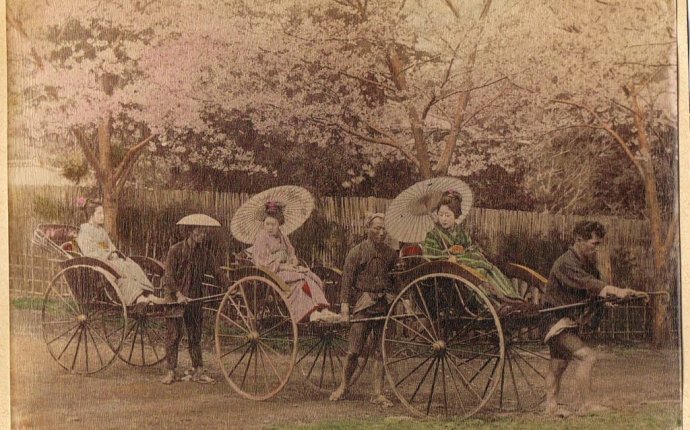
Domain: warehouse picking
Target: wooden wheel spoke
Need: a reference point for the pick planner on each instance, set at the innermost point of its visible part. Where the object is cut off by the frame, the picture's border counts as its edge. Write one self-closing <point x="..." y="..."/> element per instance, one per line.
<point x="512" y="378"/>
<point x="467" y="363"/>
<point x="413" y="370"/>
<point x="68" y="304"/>
<point x="518" y="355"/>
<point x="135" y="327"/>
<point x="76" y="353"/>
<point x="283" y="321"/>
<point x="233" y="350"/>
<point x="75" y="325"/>
<point x="69" y="342"/>
<point x="408" y="342"/>
<point x="421" y="381"/>
<point x="141" y="340"/>
<point x="443" y="381"/>
<point x="228" y="319"/>
<point x="95" y="345"/>
<point x="465" y="382"/>
<point x="323" y="366"/>
<point x="263" y="366"/>
<point x="249" y="362"/>
<point x="86" y="348"/>
<point x="429" y="339"/>
<point x="428" y="314"/>
<point x="270" y="362"/>
<point x="467" y="340"/>
<point x="153" y="344"/>
<point x="250" y="314"/>
<point x="409" y="357"/>
<point x="318" y="353"/>
<point x="531" y="352"/>
<point x="71" y="320"/>
<point x="330" y="357"/>
<point x="433" y="387"/>
<point x="455" y="384"/>
<point x="316" y="344"/>
<point x="244" y="354"/>
<point x="525" y="378"/>
<point x="465" y="351"/>
<point x="239" y="312"/>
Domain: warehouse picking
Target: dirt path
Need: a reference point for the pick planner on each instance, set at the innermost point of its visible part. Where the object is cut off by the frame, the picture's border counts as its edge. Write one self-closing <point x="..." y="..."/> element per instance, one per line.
<point x="44" y="396"/>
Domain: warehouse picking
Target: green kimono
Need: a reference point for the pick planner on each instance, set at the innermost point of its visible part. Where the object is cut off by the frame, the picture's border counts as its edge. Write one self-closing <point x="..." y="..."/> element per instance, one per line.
<point x="442" y="243"/>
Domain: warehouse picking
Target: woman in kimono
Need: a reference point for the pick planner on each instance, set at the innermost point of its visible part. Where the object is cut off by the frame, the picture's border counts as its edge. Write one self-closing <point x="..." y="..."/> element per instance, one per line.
<point x="273" y="250"/>
<point x="449" y="240"/>
<point x="93" y="241"/>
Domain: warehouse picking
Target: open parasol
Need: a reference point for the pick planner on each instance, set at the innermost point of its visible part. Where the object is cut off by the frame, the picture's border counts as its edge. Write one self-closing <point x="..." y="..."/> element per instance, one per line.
<point x="296" y="202"/>
<point x="199" y="220"/>
<point x="409" y="217"/>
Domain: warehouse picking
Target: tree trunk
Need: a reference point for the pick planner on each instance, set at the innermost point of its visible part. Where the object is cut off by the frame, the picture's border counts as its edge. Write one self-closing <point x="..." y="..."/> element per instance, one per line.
<point x="110" y="195"/>
<point x="660" y="304"/>
<point x="396" y="68"/>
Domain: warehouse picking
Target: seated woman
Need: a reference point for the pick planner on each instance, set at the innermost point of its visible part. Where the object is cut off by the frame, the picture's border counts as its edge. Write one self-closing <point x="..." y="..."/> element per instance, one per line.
<point x="273" y="249"/>
<point x="93" y="241"/>
<point x="450" y="240"/>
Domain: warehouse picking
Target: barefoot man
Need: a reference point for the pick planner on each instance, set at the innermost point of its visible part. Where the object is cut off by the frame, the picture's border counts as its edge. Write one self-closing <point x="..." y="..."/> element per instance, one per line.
<point x="574" y="278"/>
<point x="367" y="269"/>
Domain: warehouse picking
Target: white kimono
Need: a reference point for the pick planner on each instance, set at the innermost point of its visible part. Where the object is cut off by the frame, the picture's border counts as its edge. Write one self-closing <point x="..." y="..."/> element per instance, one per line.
<point x="94" y="242"/>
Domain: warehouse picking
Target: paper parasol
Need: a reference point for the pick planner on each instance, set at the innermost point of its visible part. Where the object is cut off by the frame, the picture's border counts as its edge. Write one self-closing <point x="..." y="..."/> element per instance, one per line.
<point x="297" y="204"/>
<point x="409" y="216"/>
<point x="199" y="220"/>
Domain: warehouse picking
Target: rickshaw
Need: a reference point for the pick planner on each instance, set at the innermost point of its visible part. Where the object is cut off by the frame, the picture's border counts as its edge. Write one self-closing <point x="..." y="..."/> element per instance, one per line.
<point x="85" y="324"/>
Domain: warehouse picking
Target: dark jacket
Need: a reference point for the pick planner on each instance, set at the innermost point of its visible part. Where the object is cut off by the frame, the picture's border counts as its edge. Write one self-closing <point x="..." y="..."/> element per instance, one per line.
<point x="572" y="279"/>
<point x="367" y="272"/>
<point x="185" y="267"/>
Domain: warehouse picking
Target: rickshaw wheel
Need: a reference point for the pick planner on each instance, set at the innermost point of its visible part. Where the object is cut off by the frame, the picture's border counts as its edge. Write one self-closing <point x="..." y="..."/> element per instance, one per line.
<point x="323" y="347"/>
<point x="523" y="372"/>
<point x="323" y="353"/>
<point x="83" y="321"/>
<point x="527" y="359"/>
<point x="442" y="354"/>
<point x="256" y="338"/>
<point x="144" y="342"/>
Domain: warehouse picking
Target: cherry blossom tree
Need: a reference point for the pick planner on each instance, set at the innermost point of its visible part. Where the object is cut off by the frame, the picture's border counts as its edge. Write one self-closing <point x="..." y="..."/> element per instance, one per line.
<point x="611" y="68"/>
<point x="410" y="79"/>
<point x="119" y="77"/>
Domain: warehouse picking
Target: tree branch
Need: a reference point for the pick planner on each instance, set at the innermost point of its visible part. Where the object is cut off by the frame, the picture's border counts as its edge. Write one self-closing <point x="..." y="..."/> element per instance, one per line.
<point x="90" y="156"/>
<point x="380" y="141"/>
<point x="475" y="113"/>
<point x="452" y="93"/>
<point x="604" y="126"/>
<point x="130" y="158"/>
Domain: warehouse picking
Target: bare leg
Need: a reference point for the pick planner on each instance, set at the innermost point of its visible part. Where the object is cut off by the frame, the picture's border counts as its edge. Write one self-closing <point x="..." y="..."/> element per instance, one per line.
<point x="378" y="397"/>
<point x="585" y="359"/>
<point x="553" y="387"/>
<point x="348" y="371"/>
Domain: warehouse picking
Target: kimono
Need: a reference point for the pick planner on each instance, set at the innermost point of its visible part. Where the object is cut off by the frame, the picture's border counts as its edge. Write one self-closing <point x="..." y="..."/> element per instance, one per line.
<point x="94" y="242"/>
<point x="442" y="243"/>
<point x="306" y="289"/>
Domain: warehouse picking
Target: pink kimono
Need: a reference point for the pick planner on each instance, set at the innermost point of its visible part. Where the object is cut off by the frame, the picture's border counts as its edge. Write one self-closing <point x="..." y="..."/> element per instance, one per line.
<point x="277" y="254"/>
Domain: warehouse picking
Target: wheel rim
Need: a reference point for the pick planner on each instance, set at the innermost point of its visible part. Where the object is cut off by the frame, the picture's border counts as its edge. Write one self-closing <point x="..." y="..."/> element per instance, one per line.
<point x="82" y="328"/>
<point x="256" y="338"/>
<point x="443" y="353"/>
